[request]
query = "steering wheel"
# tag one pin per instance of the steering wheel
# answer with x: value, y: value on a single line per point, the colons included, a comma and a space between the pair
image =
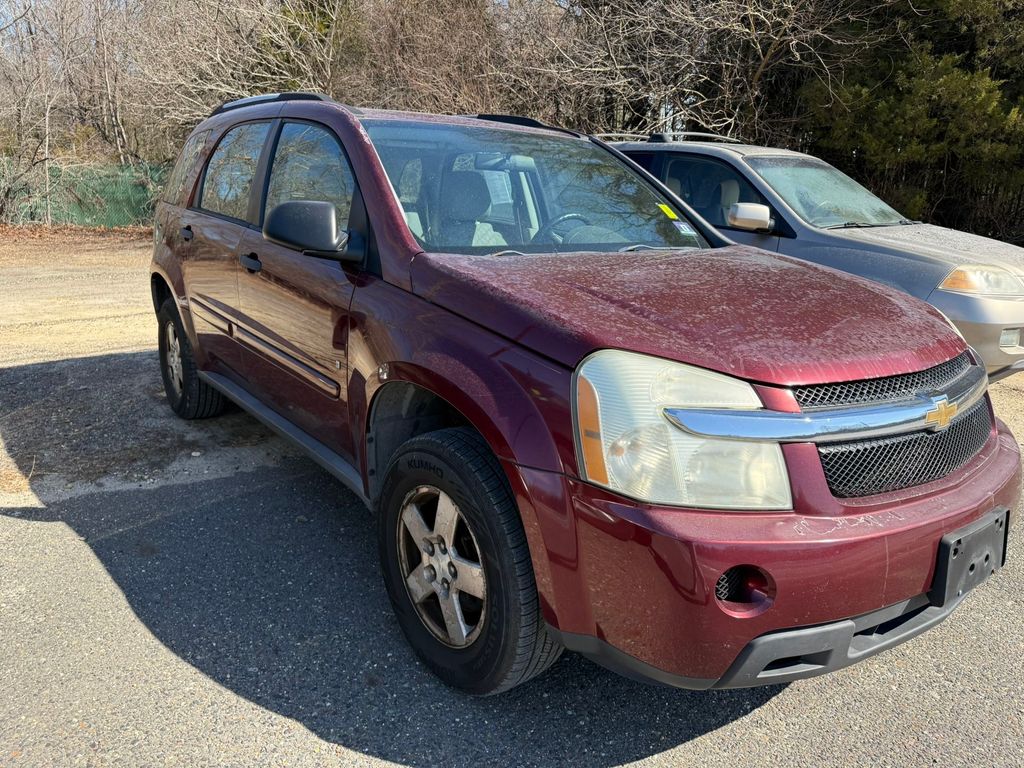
x: 823, y: 206
x: 548, y: 229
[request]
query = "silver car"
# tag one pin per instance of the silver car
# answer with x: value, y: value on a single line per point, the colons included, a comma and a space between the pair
x: 803, y: 207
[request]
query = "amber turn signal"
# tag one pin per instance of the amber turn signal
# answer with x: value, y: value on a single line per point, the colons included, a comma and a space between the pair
x: 588, y: 421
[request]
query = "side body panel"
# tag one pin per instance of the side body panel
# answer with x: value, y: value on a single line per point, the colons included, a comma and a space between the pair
x: 906, y: 272
x: 293, y: 328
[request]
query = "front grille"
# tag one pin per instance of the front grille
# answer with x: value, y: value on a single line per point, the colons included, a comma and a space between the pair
x: 884, y: 390
x: 866, y: 467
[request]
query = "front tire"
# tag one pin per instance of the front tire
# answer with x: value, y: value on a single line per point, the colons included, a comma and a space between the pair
x: 457, y: 567
x: 189, y: 396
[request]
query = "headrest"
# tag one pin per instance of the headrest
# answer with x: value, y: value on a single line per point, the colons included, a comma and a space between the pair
x: 729, y: 192
x: 675, y: 185
x: 464, y: 196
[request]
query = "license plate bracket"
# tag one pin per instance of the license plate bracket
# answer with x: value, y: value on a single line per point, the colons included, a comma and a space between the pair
x: 969, y: 555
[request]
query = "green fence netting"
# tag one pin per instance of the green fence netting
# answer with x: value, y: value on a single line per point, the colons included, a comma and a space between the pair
x: 94, y: 195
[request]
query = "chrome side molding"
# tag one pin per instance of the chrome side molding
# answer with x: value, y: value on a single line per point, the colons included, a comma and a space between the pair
x: 933, y: 411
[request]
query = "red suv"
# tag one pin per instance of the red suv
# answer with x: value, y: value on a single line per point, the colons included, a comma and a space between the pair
x: 581, y: 417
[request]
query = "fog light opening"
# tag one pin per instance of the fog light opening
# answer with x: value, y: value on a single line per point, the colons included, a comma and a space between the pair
x: 745, y: 590
x: 1009, y: 338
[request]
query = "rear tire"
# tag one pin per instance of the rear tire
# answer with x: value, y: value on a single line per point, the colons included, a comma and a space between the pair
x: 189, y: 396
x: 457, y: 566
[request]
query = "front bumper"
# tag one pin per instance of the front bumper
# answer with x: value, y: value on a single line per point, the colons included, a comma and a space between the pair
x: 981, y: 320
x: 633, y: 586
x: 793, y: 654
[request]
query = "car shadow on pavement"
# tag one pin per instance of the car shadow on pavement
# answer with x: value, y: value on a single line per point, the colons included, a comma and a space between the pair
x: 268, y: 582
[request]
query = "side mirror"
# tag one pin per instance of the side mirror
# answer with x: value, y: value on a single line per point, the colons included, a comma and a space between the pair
x: 312, y: 227
x: 753, y: 217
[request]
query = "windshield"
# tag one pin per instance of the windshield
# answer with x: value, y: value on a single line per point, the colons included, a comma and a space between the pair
x: 482, y: 189
x: 821, y: 195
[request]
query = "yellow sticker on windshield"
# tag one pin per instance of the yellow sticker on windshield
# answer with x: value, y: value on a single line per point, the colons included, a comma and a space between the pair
x: 668, y: 211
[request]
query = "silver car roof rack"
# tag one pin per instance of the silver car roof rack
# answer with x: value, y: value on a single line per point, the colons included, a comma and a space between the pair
x: 684, y: 135
x: 663, y: 137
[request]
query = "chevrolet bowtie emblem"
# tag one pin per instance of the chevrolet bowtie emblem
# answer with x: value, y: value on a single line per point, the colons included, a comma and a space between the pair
x: 940, y: 416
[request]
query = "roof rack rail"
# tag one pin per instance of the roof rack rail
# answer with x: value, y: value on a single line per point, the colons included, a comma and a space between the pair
x: 666, y: 136
x: 266, y: 98
x: 621, y: 135
x: 528, y: 122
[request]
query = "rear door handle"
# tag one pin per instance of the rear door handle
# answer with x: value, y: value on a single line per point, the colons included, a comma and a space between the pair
x: 251, y: 262
x: 186, y: 232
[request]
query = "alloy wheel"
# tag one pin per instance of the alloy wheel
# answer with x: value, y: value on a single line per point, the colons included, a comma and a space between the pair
x: 175, y: 370
x: 442, y: 567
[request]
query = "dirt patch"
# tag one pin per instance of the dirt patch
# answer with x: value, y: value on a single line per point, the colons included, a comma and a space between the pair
x: 73, y: 234
x: 90, y: 418
x: 66, y: 294
x: 81, y: 400
x: 1008, y: 401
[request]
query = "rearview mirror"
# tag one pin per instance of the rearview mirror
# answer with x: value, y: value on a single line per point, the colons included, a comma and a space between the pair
x: 753, y: 217
x: 312, y: 227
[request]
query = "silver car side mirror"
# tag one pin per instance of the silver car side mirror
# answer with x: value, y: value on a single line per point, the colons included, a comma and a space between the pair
x: 753, y: 217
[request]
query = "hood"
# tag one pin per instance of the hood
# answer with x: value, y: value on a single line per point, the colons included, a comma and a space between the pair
x: 737, y: 310
x: 949, y: 246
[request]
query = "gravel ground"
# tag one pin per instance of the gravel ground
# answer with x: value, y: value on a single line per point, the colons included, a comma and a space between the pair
x: 201, y: 594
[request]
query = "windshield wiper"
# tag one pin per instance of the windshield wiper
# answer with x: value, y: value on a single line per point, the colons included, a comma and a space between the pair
x: 507, y: 252
x: 854, y: 225
x: 646, y: 247
x: 863, y: 224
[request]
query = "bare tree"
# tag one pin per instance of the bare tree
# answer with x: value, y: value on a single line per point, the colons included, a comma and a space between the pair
x: 122, y: 81
x: 659, y: 64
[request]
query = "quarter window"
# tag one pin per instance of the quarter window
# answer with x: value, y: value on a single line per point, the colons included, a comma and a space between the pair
x: 231, y: 169
x: 309, y: 165
x: 182, y: 169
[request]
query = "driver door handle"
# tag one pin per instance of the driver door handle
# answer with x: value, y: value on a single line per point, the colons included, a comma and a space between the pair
x: 251, y: 262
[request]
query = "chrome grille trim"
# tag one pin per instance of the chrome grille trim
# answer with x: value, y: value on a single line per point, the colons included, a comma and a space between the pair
x: 833, y: 425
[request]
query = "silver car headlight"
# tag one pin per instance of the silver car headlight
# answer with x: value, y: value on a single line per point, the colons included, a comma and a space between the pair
x: 625, y: 442
x: 983, y: 279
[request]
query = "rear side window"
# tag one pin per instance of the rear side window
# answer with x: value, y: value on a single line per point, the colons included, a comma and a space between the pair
x: 309, y: 165
x: 231, y: 169
x: 173, y: 189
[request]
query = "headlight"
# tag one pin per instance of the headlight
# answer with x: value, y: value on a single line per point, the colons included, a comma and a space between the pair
x: 984, y: 280
x: 627, y: 444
